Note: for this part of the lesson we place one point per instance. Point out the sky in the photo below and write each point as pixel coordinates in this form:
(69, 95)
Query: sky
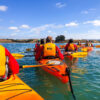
(28, 19)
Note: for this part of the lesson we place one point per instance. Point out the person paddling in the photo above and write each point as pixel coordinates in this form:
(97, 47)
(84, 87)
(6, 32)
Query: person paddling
(42, 42)
(70, 46)
(37, 43)
(38, 48)
(87, 43)
(90, 44)
(49, 50)
(79, 43)
(8, 64)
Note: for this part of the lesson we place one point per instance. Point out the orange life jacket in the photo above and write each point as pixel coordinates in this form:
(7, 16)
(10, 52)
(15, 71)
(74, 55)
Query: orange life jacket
(49, 49)
(71, 47)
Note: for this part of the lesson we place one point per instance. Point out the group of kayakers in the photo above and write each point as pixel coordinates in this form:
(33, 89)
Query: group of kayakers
(47, 50)
(44, 49)
(87, 44)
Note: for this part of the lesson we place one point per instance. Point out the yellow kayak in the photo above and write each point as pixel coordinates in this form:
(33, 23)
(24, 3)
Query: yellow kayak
(79, 54)
(15, 89)
(76, 54)
(86, 49)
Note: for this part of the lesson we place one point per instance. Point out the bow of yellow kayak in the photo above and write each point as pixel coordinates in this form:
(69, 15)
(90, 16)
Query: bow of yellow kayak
(76, 54)
(79, 54)
(15, 89)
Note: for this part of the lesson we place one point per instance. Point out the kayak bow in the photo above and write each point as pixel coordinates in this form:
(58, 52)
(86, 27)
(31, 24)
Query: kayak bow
(58, 69)
(15, 89)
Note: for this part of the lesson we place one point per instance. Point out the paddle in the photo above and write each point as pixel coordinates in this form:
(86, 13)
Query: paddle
(20, 56)
(70, 83)
(29, 66)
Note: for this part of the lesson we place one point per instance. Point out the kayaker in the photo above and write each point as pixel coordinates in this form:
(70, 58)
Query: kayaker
(42, 41)
(87, 43)
(38, 48)
(70, 46)
(8, 64)
(79, 43)
(90, 44)
(37, 43)
(49, 50)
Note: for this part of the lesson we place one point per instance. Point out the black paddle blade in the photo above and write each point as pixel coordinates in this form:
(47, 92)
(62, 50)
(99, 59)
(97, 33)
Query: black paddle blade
(70, 83)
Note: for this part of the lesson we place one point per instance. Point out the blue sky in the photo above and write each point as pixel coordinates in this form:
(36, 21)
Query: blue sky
(77, 19)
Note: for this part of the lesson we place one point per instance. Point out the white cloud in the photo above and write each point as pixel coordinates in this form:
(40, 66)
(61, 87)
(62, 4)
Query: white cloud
(39, 29)
(25, 26)
(3, 8)
(13, 28)
(13, 34)
(45, 27)
(60, 5)
(94, 22)
(49, 31)
(71, 24)
(85, 12)
(91, 10)
(92, 34)
(56, 26)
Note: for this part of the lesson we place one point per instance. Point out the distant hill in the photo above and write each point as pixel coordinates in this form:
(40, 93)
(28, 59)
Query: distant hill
(34, 40)
(18, 41)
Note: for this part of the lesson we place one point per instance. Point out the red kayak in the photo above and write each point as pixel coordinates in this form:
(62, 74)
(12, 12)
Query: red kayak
(57, 69)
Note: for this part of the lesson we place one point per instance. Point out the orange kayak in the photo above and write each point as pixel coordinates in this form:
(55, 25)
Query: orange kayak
(62, 46)
(57, 70)
(15, 89)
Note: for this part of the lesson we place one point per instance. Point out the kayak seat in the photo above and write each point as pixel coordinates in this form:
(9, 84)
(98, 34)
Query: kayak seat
(49, 57)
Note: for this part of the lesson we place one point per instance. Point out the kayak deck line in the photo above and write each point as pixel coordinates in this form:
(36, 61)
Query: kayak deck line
(15, 89)
(57, 69)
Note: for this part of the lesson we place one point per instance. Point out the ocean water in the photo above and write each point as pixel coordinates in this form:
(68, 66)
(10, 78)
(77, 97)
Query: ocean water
(85, 76)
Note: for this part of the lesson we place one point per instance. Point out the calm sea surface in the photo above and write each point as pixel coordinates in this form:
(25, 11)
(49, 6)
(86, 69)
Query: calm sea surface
(85, 76)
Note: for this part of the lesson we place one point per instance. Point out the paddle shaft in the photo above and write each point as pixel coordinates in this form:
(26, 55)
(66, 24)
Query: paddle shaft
(70, 83)
(28, 66)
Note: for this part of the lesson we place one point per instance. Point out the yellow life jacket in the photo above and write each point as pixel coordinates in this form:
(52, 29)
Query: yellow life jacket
(71, 47)
(2, 61)
(49, 49)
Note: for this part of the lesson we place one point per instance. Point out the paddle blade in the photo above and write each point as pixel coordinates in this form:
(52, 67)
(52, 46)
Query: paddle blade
(28, 49)
(17, 55)
(97, 46)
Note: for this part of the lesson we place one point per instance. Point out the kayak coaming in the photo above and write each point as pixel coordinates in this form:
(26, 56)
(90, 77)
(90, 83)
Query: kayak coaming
(15, 89)
(55, 70)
